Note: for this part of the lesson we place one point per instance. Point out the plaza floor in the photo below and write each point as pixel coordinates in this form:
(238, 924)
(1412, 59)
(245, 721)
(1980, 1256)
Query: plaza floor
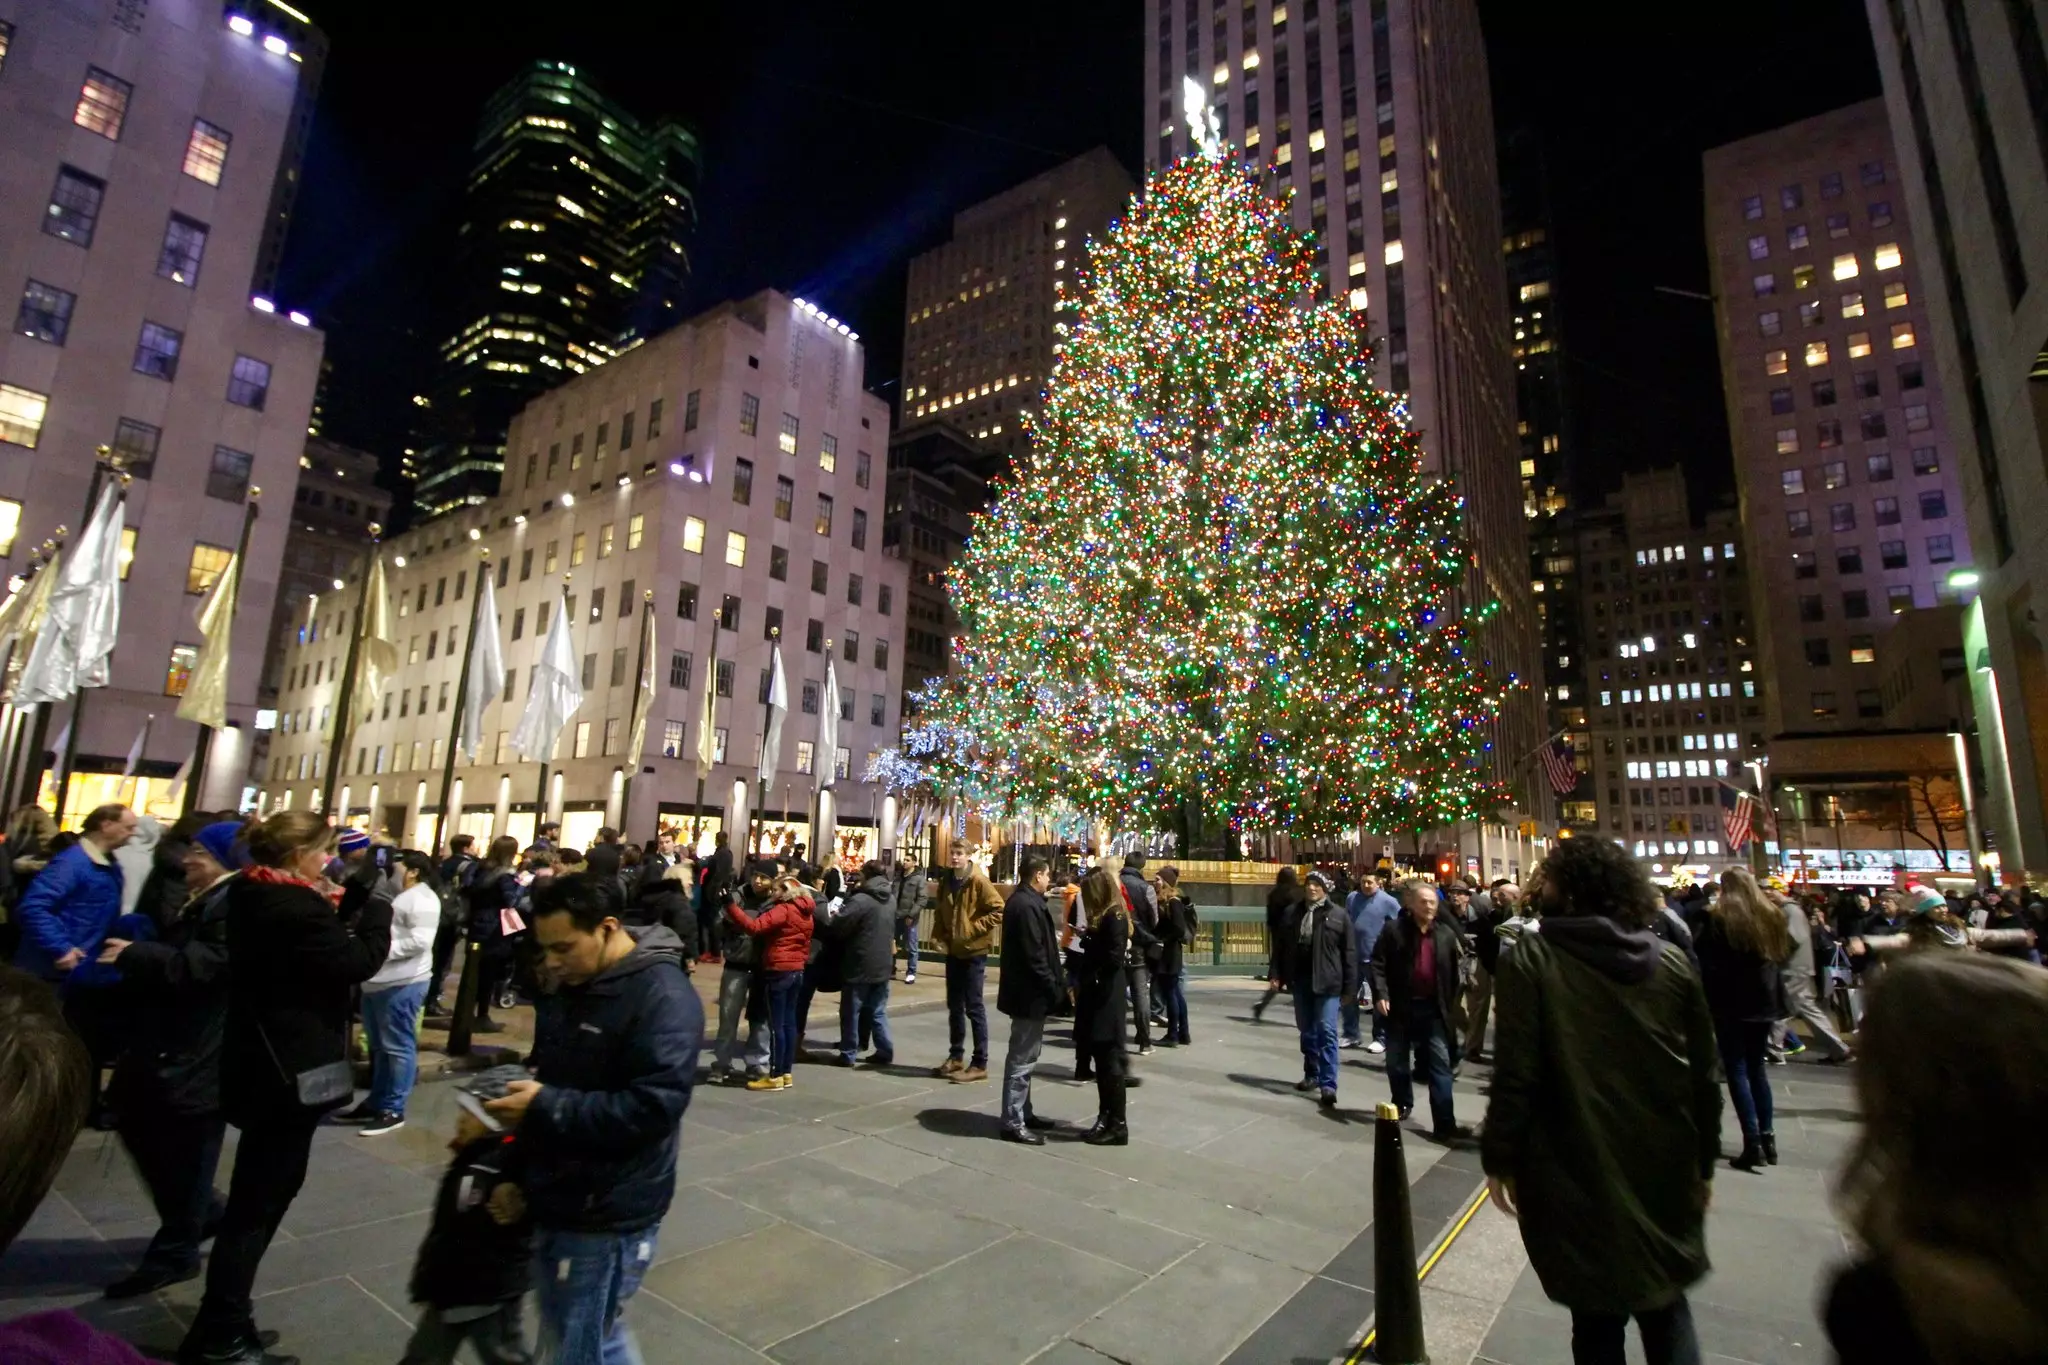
(872, 1217)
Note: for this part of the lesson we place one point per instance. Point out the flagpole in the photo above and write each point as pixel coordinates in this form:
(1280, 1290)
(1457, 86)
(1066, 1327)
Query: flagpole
(40, 558)
(345, 698)
(711, 715)
(635, 719)
(113, 464)
(476, 603)
(32, 773)
(767, 709)
(202, 747)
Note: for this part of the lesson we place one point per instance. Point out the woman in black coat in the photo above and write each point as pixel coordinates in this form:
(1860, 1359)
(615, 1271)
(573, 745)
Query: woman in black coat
(284, 1058)
(493, 889)
(1099, 1006)
(1742, 942)
(1284, 904)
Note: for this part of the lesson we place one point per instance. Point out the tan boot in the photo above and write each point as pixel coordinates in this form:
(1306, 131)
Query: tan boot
(970, 1073)
(953, 1065)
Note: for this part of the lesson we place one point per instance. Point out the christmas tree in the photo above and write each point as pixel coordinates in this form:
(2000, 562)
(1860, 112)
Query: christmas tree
(1221, 580)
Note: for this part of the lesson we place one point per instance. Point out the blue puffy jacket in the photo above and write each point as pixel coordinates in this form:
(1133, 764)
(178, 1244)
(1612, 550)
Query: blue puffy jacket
(69, 905)
(616, 1058)
(1369, 916)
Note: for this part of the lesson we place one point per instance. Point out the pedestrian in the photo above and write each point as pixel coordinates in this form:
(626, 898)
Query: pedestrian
(1074, 950)
(475, 1264)
(1033, 983)
(603, 859)
(494, 894)
(964, 927)
(163, 894)
(715, 886)
(1099, 1010)
(740, 998)
(1802, 987)
(1283, 918)
(2017, 933)
(392, 1000)
(1743, 945)
(1925, 922)
(1489, 912)
(1146, 947)
(783, 930)
(910, 887)
(1415, 989)
(616, 1032)
(1177, 926)
(1325, 974)
(284, 1060)
(166, 1086)
(1604, 1118)
(865, 926)
(1953, 1242)
(452, 878)
(1370, 909)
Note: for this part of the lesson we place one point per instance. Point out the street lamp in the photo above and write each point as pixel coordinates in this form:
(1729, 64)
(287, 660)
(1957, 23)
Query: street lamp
(1961, 579)
(1975, 832)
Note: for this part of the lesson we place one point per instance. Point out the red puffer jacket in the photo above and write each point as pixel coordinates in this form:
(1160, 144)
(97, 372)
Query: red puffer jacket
(784, 929)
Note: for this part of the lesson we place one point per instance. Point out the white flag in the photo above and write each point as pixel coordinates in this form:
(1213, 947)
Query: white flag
(778, 707)
(825, 763)
(178, 781)
(135, 749)
(486, 663)
(643, 696)
(84, 616)
(556, 693)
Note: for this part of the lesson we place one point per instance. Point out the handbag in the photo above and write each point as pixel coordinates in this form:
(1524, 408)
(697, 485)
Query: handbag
(317, 1087)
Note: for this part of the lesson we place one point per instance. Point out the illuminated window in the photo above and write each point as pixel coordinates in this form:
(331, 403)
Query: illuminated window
(1816, 354)
(828, 453)
(1774, 362)
(693, 535)
(102, 105)
(735, 549)
(1788, 444)
(1859, 345)
(1802, 277)
(1394, 254)
(604, 539)
(1895, 294)
(10, 526)
(1886, 257)
(635, 530)
(1768, 324)
(1845, 266)
(1852, 305)
(1795, 237)
(1902, 336)
(45, 312)
(750, 413)
(184, 658)
(789, 429)
(1835, 473)
(21, 415)
(206, 151)
(1941, 549)
(578, 544)
(824, 521)
(208, 563)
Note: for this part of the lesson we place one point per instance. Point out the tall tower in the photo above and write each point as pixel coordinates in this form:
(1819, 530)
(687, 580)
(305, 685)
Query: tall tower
(1408, 231)
(572, 243)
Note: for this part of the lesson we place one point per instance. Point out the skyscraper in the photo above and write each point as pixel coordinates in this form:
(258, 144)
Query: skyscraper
(1410, 235)
(572, 243)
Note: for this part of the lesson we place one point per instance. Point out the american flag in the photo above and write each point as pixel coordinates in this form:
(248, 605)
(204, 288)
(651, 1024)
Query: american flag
(1738, 811)
(1560, 766)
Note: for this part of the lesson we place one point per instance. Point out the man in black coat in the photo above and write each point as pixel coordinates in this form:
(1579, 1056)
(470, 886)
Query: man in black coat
(864, 927)
(601, 859)
(1034, 982)
(714, 890)
(1415, 987)
(1145, 946)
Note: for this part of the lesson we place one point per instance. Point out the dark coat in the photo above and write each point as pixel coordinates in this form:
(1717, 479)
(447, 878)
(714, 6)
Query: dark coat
(601, 862)
(288, 998)
(865, 929)
(718, 878)
(176, 988)
(163, 890)
(616, 1057)
(1283, 920)
(1867, 1320)
(1742, 987)
(1100, 1006)
(1034, 983)
(1393, 966)
(1176, 932)
(1326, 951)
(469, 1259)
(1605, 1112)
(490, 891)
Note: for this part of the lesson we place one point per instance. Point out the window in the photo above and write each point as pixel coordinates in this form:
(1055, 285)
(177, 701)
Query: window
(853, 590)
(723, 682)
(102, 105)
(1810, 608)
(74, 206)
(1828, 435)
(814, 637)
(1788, 444)
(208, 562)
(618, 670)
(578, 547)
(1764, 284)
(819, 571)
(686, 601)
(1816, 354)
(860, 529)
(1795, 237)
(1823, 393)
(1902, 336)
(743, 482)
(778, 563)
(228, 478)
(878, 708)
(851, 652)
(1911, 376)
(823, 525)
(184, 658)
(1859, 345)
(1759, 247)
(810, 698)
(771, 623)
(881, 653)
(1818, 655)
(1852, 305)
(1781, 401)
(597, 604)
(1872, 426)
(671, 732)
(1886, 257)
(582, 742)
(1803, 564)
(1892, 554)
(518, 622)
(1842, 516)
(1753, 207)
(1899, 597)
(606, 537)
(1802, 277)
(249, 382)
(750, 414)
(1895, 294)
(589, 672)
(1823, 705)
(1866, 384)
(1855, 604)
(863, 468)
(785, 497)
(136, 442)
(1879, 467)
(1848, 559)
(156, 351)
(1810, 314)
(21, 415)
(828, 453)
(885, 597)
(526, 564)
(1926, 460)
(1831, 185)
(1845, 266)
(1774, 362)
(1885, 511)
(1768, 323)
(206, 151)
(736, 549)
(693, 535)
(1838, 225)
(1799, 522)
(787, 440)
(636, 528)
(1862, 649)
(184, 245)
(728, 612)
(1917, 418)
(1933, 504)
(1790, 197)
(1881, 213)
(45, 312)
(804, 748)
(626, 432)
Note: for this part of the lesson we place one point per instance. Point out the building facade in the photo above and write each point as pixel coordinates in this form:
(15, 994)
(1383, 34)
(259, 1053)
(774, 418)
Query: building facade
(574, 240)
(1409, 234)
(732, 469)
(938, 479)
(980, 310)
(1968, 99)
(137, 191)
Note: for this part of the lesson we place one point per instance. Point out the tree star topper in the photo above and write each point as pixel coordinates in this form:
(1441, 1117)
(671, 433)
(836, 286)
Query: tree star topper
(1204, 126)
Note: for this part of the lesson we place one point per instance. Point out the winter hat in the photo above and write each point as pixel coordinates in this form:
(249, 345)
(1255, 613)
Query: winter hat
(1924, 900)
(352, 839)
(1322, 879)
(219, 840)
(1134, 861)
(762, 867)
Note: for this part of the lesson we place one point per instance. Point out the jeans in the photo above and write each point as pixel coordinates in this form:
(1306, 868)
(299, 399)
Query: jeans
(1316, 1016)
(1668, 1337)
(1140, 989)
(582, 1281)
(446, 939)
(497, 1338)
(1749, 1081)
(1173, 989)
(270, 1166)
(783, 990)
(864, 1015)
(966, 977)
(391, 1020)
(909, 935)
(1027, 1040)
(734, 985)
(1478, 1004)
(177, 1156)
(1416, 1033)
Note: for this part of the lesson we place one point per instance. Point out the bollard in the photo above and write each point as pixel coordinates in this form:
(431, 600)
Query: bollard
(465, 1002)
(1397, 1294)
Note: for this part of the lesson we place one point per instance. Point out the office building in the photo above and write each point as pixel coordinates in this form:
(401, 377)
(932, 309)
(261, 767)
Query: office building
(732, 468)
(573, 241)
(1967, 95)
(938, 479)
(979, 310)
(139, 173)
(1377, 115)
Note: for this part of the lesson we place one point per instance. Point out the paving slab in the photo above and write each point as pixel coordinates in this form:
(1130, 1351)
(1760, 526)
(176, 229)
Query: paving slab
(772, 1283)
(1193, 1314)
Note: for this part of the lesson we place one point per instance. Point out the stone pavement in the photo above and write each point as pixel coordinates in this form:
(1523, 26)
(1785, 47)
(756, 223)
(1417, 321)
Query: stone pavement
(873, 1217)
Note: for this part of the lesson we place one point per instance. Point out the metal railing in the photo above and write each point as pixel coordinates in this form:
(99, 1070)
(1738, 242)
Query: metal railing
(1230, 940)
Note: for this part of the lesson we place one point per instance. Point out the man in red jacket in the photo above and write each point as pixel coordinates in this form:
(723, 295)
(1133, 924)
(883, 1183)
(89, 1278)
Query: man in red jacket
(784, 928)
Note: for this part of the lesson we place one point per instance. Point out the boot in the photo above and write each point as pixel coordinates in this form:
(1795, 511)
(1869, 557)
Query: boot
(1769, 1142)
(1751, 1157)
(1109, 1130)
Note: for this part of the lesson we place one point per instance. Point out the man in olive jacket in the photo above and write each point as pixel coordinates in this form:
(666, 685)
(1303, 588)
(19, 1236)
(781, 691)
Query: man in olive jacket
(964, 929)
(1605, 1118)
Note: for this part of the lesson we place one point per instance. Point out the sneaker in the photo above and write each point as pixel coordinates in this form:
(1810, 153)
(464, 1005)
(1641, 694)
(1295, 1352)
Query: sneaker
(1775, 1058)
(910, 978)
(878, 1059)
(1351, 1043)
(785, 1081)
(1375, 1046)
(765, 1083)
(1328, 1099)
(1145, 1051)
(487, 1026)
(1794, 1048)
(382, 1124)
(949, 1067)
(968, 1074)
(1304, 1085)
(362, 1113)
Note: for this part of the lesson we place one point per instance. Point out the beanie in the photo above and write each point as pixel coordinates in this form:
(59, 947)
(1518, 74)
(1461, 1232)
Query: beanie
(219, 840)
(352, 839)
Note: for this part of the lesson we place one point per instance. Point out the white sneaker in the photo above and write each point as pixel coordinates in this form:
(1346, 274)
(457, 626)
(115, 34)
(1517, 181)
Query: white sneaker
(1375, 1046)
(1350, 1043)
(910, 978)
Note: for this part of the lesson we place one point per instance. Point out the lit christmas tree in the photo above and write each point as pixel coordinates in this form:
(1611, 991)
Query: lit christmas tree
(1220, 583)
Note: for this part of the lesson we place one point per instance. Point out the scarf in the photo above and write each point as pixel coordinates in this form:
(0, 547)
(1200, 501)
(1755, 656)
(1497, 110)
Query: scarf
(277, 876)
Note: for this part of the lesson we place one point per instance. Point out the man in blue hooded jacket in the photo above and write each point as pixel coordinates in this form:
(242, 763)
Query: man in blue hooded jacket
(1370, 907)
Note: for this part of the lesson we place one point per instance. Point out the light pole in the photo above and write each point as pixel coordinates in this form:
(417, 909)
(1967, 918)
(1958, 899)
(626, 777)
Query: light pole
(1759, 862)
(1976, 834)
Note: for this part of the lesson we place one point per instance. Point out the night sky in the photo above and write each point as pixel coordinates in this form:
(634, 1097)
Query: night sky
(838, 144)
